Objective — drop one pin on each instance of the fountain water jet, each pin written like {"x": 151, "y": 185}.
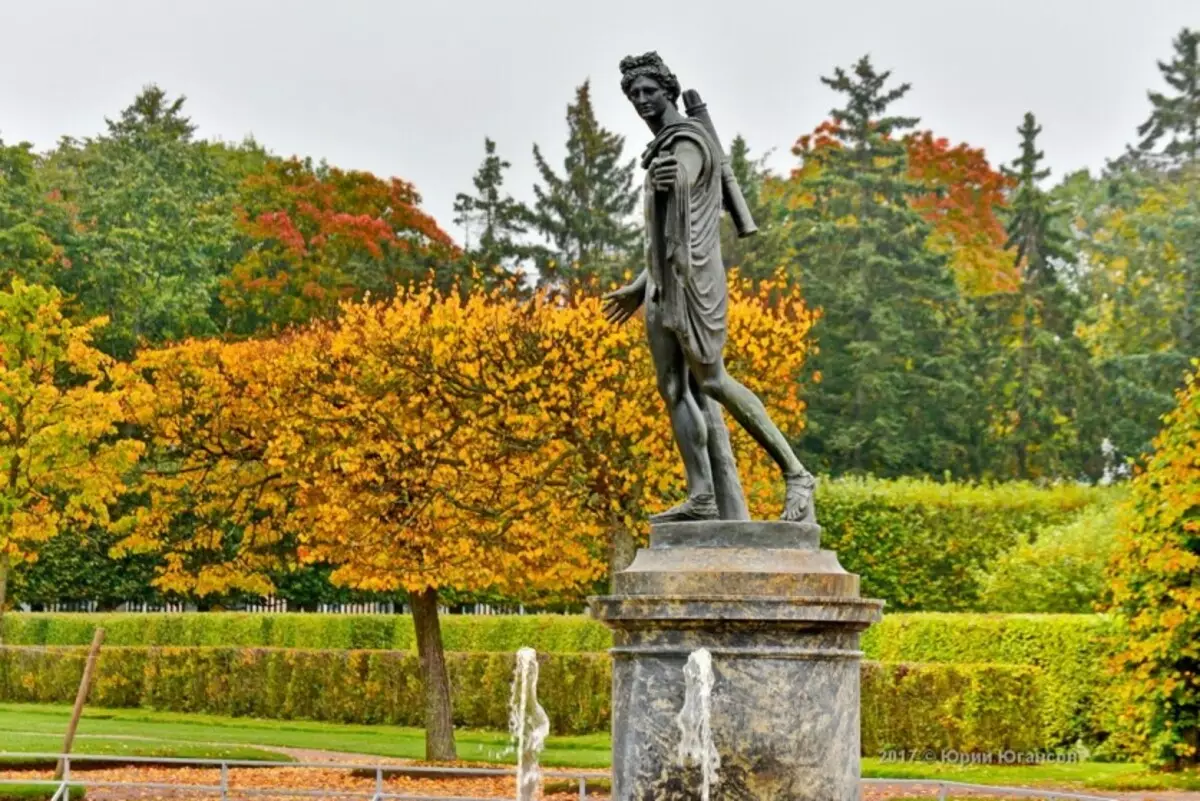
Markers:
{"x": 527, "y": 723}
{"x": 696, "y": 746}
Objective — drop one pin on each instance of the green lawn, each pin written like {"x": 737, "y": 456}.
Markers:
{"x": 25, "y": 728}
{"x": 1093, "y": 775}
{"x": 34, "y": 792}
{"x": 136, "y": 730}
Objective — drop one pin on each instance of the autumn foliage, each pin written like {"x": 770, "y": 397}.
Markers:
{"x": 63, "y": 463}
{"x": 963, "y": 203}
{"x": 1155, "y": 593}
{"x": 966, "y": 194}
{"x": 477, "y": 442}
{"x": 321, "y": 236}
{"x": 433, "y": 441}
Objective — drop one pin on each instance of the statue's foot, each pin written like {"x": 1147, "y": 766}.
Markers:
{"x": 697, "y": 507}
{"x": 798, "y": 500}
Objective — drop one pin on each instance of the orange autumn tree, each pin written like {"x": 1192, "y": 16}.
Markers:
{"x": 218, "y": 501}
{"x": 479, "y": 443}
{"x": 318, "y": 236}
{"x": 426, "y": 433}
{"x": 967, "y": 194}
{"x": 409, "y": 444}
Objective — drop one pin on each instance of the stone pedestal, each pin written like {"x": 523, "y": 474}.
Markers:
{"x": 781, "y": 619}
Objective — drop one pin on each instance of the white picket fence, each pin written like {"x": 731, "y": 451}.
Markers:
{"x": 280, "y": 605}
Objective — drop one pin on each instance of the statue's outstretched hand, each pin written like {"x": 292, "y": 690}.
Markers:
{"x": 621, "y": 304}
{"x": 664, "y": 173}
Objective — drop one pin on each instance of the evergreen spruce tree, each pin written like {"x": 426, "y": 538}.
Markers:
{"x": 761, "y": 255}
{"x": 1031, "y": 225}
{"x": 492, "y": 221}
{"x": 586, "y": 213}
{"x": 1040, "y": 385}
{"x": 885, "y": 391}
{"x": 1177, "y": 116}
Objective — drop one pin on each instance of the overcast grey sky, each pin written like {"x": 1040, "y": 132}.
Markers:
{"x": 411, "y": 88}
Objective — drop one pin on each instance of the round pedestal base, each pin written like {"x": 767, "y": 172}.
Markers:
{"x": 781, "y": 620}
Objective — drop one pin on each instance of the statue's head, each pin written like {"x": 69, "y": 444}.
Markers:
{"x": 649, "y": 85}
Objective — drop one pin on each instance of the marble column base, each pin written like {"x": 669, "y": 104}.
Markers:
{"x": 781, "y": 619}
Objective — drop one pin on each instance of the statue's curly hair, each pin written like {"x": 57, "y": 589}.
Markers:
{"x": 650, "y": 65}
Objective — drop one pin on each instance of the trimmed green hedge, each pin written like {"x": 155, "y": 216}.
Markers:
{"x": 982, "y": 707}
{"x": 921, "y": 545}
{"x": 979, "y": 708}
{"x": 1069, "y": 649}
{"x": 505, "y": 633}
{"x": 919, "y": 637}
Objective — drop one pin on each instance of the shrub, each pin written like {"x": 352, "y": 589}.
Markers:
{"x": 1156, "y": 595}
{"x": 980, "y": 707}
{"x": 920, "y": 545}
{"x": 1060, "y": 569}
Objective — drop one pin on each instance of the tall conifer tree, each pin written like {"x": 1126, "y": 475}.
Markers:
{"x": 883, "y": 393}
{"x": 1040, "y": 382}
{"x": 492, "y": 221}
{"x": 1177, "y": 116}
{"x": 586, "y": 213}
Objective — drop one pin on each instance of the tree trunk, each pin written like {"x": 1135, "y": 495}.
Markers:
{"x": 439, "y": 726}
{"x": 3, "y": 591}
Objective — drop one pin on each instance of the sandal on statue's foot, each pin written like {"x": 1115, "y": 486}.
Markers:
{"x": 798, "y": 501}
{"x": 698, "y": 507}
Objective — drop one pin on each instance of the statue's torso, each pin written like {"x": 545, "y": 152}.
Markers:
{"x": 687, "y": 288}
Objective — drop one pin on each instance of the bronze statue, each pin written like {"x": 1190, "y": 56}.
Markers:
{"x": 685, "y": 293}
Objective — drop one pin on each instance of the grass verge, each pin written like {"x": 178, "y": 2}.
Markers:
{"x": 35, "y": 792}
{"x": 35, "y": 727}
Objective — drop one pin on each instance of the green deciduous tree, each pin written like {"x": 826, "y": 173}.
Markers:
{"x": 1140, "y": 281}
{"x": 156, "y": 230}
{"x": 33, "y": 223}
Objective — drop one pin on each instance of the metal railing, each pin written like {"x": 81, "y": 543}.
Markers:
{"x": 223, "y": 789}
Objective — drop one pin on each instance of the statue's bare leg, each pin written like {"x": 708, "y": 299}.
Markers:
{"x": 687, "y": 421}
{"x": 750, "y": 413}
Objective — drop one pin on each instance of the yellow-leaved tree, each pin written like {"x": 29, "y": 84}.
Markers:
{"x": 412, "y": 445}
{"x": 477, "y": 443}
{"x": 218, "y": 504}
{"x": 426, "y": 432}
{"x": 618, "y": 426}
{"x": 63, "y": 463}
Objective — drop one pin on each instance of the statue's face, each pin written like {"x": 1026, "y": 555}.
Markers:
{"x": 648, "y": 98}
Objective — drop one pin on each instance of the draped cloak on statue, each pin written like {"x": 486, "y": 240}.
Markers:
{"x": 683, "y": 243}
